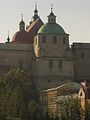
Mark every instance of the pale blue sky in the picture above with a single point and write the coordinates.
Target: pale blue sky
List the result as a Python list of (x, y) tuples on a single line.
[(72, 15)]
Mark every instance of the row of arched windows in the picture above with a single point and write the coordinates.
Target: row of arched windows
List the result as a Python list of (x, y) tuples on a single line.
[(51, 20), (54, 40)]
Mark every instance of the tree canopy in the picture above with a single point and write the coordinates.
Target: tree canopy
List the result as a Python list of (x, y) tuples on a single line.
[(16, 93)]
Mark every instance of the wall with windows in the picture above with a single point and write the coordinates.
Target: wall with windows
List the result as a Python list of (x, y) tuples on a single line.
[(81, 54), (55, 66), (51, 45), (53, 71), (16, 55), (54, 63)]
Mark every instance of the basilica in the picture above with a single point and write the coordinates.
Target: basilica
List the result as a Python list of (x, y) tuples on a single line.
[(44, 50)]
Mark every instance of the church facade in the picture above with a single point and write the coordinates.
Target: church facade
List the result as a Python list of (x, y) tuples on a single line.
[(54, 63), (42, 49)]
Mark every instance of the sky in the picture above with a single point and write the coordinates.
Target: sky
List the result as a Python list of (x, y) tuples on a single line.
[(72, 15)]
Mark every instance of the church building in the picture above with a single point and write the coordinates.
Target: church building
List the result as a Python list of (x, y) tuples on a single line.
[(53, 62), (43, 50)]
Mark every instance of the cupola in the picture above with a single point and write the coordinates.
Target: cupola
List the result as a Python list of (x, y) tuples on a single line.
[(51, 27), (51, 17), (22, 24)]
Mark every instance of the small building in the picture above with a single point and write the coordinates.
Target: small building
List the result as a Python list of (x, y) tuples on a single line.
[(49, 97)]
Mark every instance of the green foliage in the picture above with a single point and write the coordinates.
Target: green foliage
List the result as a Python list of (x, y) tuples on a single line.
[(46, 115), (68, 108), (19, 99), (17, 92)]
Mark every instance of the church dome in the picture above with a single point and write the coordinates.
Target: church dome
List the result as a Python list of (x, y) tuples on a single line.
[(21, 37), (51, 28)]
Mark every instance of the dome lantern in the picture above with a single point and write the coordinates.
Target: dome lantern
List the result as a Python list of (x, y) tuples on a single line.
[(22, 24), (51, 27), (51, 17)]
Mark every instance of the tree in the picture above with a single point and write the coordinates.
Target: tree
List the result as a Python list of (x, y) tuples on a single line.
[(16, 92), (68, 108)]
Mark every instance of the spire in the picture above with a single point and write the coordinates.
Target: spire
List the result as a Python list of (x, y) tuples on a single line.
[(8, 38), (22, 24), (35, 5), (35, 11)]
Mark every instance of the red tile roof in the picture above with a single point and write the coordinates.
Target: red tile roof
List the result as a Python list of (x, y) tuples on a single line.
[(27, 37), (21, 37)]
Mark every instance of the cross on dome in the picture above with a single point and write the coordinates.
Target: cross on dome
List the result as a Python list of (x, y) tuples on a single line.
[(21, 17), (8, 32), (51, 8)]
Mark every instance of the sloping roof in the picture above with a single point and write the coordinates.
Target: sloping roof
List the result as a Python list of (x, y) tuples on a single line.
[(33, 23), (66, 88)]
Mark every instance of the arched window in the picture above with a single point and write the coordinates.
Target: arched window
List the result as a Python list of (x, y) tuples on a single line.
[(54, 39), (52, 20), (50, 64), (48, 20), (44, 39), (60, 64), (64, 40), (82, 55)]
